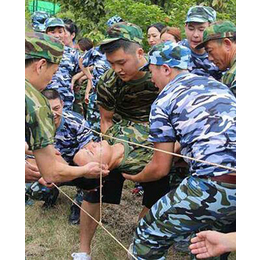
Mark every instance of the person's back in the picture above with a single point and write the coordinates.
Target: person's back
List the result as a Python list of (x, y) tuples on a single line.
[(203, 113)]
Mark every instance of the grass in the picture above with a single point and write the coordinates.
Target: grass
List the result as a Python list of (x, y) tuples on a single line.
[(49, 236)]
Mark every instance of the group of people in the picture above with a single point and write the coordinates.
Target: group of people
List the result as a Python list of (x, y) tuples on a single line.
[(178, 100)]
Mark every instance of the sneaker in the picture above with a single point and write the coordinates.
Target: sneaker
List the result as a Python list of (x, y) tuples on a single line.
[(74, 217), (81, 256), (51, 198)]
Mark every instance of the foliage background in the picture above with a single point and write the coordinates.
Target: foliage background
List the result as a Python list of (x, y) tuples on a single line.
[(91, 15)]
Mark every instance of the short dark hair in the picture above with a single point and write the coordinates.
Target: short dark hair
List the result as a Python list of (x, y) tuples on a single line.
[(85, 44), (158, 26), (29, 62), (51, 94), (71, 27), (127, 46), (52, 28)]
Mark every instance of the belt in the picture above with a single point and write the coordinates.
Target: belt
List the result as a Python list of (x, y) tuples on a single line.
[(227, 178)]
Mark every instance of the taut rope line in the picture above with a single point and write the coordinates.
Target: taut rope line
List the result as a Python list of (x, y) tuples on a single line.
[(155, 149), (98, 222)]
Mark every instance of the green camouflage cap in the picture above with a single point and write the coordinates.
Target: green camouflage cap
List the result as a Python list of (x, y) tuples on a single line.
[(170, 53), (53, 22), (41, 45), (123, 30), (201, 14), (218, 30)]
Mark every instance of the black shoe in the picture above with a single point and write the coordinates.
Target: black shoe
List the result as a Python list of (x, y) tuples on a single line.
[(51, 198), (74, 217)]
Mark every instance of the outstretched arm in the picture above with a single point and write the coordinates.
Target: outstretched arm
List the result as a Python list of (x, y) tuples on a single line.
[(158, 167), (212, 243), (54, 170)]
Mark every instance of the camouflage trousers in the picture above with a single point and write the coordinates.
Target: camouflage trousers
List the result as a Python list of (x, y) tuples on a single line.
[(197, 204), (92, 113), (37, 191)]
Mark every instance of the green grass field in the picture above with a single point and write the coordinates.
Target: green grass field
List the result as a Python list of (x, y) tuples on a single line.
[(49, 236)]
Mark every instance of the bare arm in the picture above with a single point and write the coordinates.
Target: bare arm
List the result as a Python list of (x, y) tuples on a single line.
[(106, 119), (54, 170), (158, 167)]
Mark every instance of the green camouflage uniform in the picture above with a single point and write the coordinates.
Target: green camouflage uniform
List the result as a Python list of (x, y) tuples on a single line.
[(39, 123), (135, 157), (229, 78), (221, 30), (131, 100)]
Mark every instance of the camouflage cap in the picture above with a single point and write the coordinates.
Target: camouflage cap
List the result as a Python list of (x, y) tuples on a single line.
[(114, 19), (54, 22), (218, 30), (201, 14), (170, 53), (41, 45), (123, 30)]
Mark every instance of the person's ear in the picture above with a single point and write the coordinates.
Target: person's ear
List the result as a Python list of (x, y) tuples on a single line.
[(227, 43), (166, 69), (140, 52), (41, 65)]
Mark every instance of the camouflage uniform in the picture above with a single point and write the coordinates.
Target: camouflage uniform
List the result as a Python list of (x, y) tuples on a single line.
[(94, 58), (135, 157), (61, 80), (38, 19), (72, 134), (114, 19), (221, 30), (39, 123), (200, 113), (199, 63)]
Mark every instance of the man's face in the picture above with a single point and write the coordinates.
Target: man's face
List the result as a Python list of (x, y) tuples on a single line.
[(158, 76), (56, 108), (46, 73), (58, 32), (218, 54), (194, 33), (99, 151), (126, 65)]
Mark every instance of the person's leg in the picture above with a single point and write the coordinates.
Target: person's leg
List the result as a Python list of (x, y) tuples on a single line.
[(194, 205), (87, 225)]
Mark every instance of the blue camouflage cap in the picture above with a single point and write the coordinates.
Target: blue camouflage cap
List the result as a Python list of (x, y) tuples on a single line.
[(114, 19), (201, 14), (172, 54), (54, 22)]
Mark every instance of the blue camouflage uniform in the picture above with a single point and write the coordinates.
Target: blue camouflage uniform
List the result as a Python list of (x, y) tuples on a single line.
[(200, 65), (71, 135), (200, 113), (61, 80), (95, 58)]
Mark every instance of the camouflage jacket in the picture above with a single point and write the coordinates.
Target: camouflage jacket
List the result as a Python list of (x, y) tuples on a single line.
[(229, 78), (132, 100), (61, 80), (199, 113), (200, 64), (39, 123), (135, 157), (72, 134), (95, 58)]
